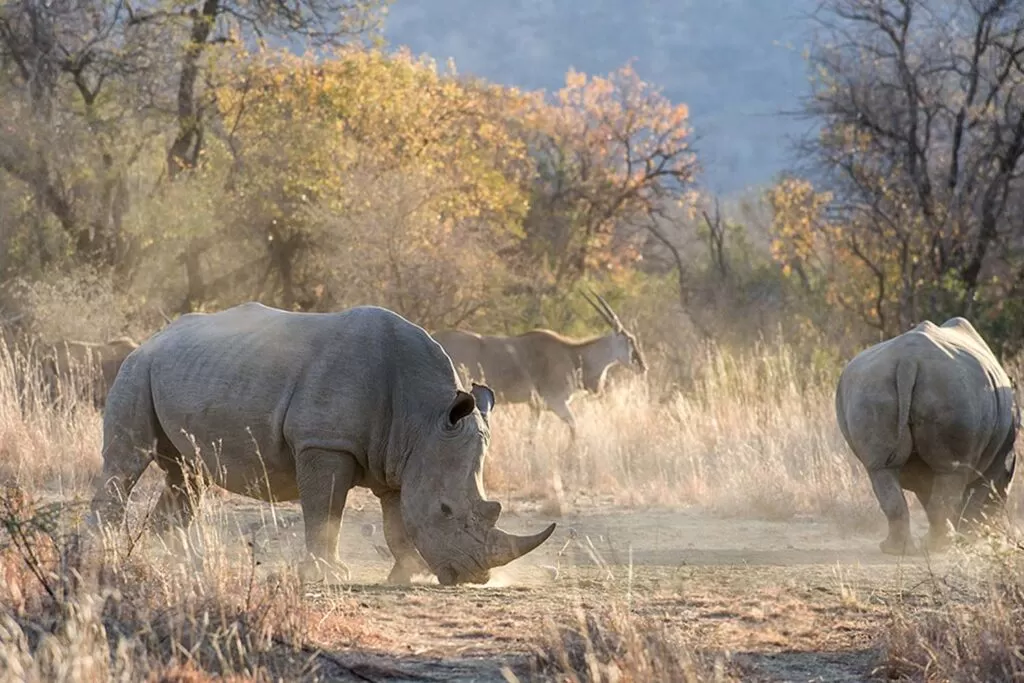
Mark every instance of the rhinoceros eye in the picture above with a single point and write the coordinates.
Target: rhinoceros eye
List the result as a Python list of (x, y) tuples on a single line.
[(446, 510)]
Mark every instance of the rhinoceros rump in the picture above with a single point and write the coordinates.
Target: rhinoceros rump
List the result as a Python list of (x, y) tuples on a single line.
[(931, 411), (283, 406)]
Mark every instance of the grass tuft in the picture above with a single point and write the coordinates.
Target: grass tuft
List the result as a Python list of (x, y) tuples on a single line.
[(970, 625), (614, 646), (66, 615), (751, 437)]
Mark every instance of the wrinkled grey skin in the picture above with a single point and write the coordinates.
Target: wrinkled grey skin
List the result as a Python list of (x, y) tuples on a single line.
[(332, 400), (933, 412)]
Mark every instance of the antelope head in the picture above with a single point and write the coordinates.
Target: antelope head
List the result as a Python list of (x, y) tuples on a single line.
[(630, 348)]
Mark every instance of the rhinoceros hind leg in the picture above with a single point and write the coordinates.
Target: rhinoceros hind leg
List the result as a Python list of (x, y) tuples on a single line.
[(172, 518), (886, 485), (181, 497), (123, 464), (131, 437), (324, 479), (944, 510), (408, 561)]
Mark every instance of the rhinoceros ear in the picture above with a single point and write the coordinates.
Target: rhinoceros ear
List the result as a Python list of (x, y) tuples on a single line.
[(461, 407), (484, 398)]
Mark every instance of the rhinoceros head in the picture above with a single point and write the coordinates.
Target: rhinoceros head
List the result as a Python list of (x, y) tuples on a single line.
[(443, 506)]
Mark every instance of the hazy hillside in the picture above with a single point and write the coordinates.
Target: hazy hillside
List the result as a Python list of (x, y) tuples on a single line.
[(737, 63)]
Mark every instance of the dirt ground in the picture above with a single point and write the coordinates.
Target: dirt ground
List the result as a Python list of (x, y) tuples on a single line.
[(783, 601)]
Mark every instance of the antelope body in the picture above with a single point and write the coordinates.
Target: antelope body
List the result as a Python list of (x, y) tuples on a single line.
[(63, 370), (84, 367), (542, 367)]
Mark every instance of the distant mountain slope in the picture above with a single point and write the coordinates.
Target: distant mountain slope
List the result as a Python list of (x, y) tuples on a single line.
[(736, 63)]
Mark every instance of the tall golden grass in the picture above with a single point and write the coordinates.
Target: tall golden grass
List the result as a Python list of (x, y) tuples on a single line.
[(44, 447), (968, 627), (132, 613), (609, 644), (753, 434)]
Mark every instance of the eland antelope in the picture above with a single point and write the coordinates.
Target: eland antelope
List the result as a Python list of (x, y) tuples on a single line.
[(85, 368), (541, 367)]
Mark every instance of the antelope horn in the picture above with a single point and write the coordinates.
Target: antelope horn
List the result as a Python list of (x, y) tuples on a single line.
[(11, 320), (614, 319), (599, 309), (503, 547)]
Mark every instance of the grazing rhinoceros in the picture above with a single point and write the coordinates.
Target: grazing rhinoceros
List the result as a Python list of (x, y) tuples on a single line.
[(282, 406), (931, 411)]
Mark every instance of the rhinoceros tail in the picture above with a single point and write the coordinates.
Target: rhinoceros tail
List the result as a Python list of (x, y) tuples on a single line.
[(906, 377)]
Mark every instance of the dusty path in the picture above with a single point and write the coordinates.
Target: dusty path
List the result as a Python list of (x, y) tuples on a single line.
[(785, 601)]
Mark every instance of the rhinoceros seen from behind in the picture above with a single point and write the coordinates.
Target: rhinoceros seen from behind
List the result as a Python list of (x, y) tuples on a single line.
[(931, 411), (286, 406)]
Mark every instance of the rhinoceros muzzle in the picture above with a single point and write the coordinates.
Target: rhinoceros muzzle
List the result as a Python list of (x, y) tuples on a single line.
[(501, 548)]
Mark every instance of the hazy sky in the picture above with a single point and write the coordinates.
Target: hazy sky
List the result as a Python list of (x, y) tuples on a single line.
[(736, 63)]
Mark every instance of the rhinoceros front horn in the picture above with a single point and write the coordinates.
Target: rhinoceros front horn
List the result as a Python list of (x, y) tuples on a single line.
[(503, 547)]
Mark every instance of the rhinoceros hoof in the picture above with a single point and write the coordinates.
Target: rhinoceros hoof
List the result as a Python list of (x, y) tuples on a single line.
[(403, 572), (938, 543), (399, 577), (319, 571), (892, 546)]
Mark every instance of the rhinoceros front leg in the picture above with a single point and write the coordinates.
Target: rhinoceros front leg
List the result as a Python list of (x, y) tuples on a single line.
[(408, 560), (886, 484), (324, 479)]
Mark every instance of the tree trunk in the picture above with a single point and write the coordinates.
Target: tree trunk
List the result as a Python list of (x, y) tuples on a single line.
[(184, 151), (194, 277), (684, 292)]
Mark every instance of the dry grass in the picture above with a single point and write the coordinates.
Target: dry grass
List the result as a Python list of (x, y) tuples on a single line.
[(138, 614), (44, 448), (970, 628), (614, 646), (752, 436)]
